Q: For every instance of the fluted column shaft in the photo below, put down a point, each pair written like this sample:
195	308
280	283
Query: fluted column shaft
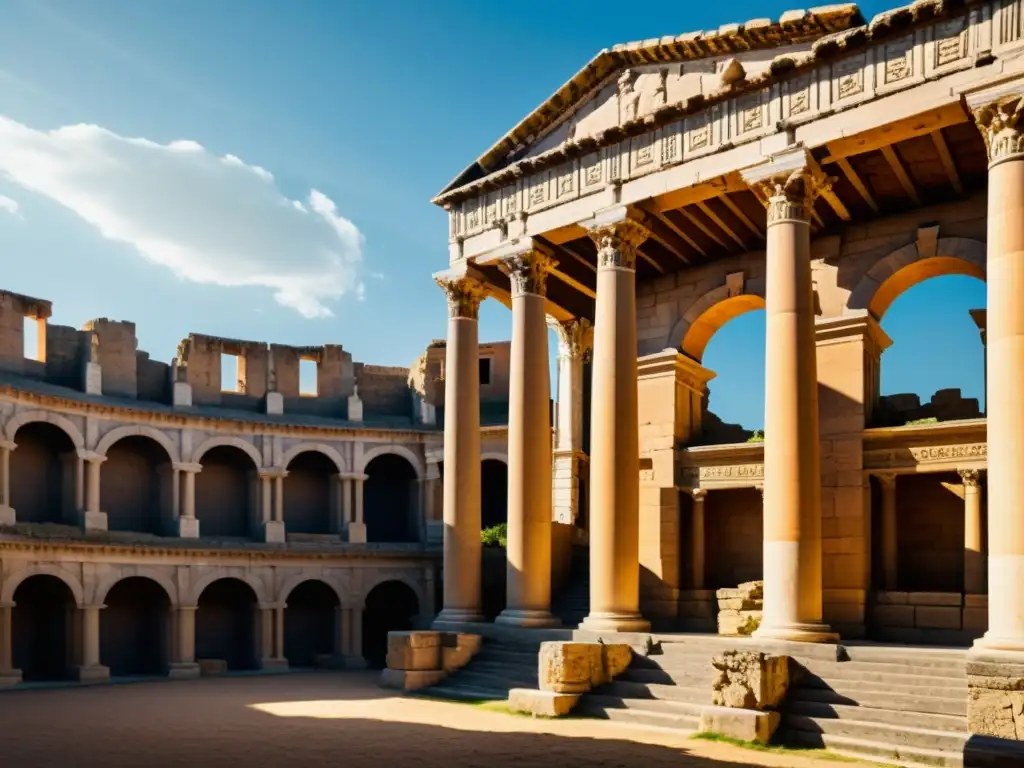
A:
614	432
462	547
528	579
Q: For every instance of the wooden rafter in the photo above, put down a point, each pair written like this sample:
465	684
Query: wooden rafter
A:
735	209
702	227
947	161
854	178
649	260
901	174
671	225
900	130
703	206
574	254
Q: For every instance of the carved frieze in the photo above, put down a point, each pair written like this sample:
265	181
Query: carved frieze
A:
950	41
913	456
848	78
722	476
899	60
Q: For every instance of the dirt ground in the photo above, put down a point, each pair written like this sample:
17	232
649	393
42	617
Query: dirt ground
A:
340	719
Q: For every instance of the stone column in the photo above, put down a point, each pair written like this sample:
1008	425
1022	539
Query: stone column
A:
792	463
8	675
462	547
890	538
697	545
92	518
997	114
614	432
272	503
279	633
279	496
188	525
183	663
6	508
271	618
974	555
528	575
357	527
90	669
575	338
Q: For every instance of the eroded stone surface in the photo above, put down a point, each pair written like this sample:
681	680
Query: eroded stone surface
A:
414	650
750	680
576	667
739	609
542	703
995	706
747	725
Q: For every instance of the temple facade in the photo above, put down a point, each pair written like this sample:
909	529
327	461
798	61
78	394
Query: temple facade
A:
816	167
158	520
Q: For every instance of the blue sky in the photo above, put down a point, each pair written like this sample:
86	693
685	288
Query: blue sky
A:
356	112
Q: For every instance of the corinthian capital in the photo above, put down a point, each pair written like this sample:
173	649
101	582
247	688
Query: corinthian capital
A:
575	337
970	477
464	292
617	235
1001	127
791	182
528	271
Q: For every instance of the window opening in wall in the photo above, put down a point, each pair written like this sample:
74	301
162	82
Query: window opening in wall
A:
229	373
307	378
33	329
485	371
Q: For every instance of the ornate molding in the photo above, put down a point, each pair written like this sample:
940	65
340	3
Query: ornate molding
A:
791	197
617	243
575	337
528	272
464	295
971	478
1001	128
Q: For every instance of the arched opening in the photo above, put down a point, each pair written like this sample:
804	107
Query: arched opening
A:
309	624
390	500
307	493
43	470
935	368
135	485
390	607
728	338
733	536
493	493
134	628
226	624
43	618
226	493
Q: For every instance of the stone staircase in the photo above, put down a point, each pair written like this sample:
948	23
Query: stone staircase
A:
499	666
573	604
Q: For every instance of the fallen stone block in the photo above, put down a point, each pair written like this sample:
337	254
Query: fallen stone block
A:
743	724
410	680
566	667
415	650
749	680
542	703
457	649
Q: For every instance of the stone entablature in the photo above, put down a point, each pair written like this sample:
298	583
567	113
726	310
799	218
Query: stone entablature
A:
942	447
837	73
717	467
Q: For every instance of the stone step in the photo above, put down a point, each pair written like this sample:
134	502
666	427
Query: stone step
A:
948	658
896	732
514	659
677	721
499	668
497	681
628	689
825	668
896	681
931	721
885	700
607	701
912	757
462	693
854	687
694	679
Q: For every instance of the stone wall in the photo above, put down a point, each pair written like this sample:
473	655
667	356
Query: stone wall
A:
930	532
733	535
384	389
14	310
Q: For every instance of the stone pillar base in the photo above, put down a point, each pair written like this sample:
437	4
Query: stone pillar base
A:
615	622
94	521
351	661
186	528
534	619
7	515
274	666
273	532
458	616
183	670
94	673
9	677
355	533
812	632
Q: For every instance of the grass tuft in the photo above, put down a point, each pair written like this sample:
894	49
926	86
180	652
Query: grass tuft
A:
821	754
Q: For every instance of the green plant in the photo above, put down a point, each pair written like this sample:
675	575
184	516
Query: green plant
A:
495	536
750	625
757	437
915	422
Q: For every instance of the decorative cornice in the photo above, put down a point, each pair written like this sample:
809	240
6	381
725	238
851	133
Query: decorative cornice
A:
464	295
528	272
1002	128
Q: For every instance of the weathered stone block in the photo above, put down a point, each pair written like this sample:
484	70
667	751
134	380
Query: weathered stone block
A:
997	713
414	651
212	667
457	649
935	598
894	615
565	667
976	619
542	703
937	617
740	724
410	679
738	623
750	680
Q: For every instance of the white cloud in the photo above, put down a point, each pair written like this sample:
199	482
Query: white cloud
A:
209	219
10	206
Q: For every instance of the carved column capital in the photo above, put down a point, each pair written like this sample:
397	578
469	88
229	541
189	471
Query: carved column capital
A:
971	478
1001	127
528	272
617	242
791	197
575	337
886	479
464	295
698	494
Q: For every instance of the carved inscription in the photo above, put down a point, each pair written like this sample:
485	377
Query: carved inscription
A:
800	95
950	41
738	471
510	204
644	150
933	454
849	77
899	60
538	195
700	137
751	114
592	170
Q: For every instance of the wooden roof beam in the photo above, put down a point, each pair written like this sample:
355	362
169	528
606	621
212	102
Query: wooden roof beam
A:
758	232
703	206
655	215
947	161
901	173
854	178
702	227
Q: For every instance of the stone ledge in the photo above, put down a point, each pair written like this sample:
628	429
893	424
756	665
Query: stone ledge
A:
743	724
542	703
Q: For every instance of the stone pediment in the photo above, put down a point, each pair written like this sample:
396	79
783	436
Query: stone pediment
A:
631	80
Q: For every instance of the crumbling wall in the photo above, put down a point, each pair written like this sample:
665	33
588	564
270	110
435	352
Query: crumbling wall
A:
67	351
384	390
336	375
14	308
945	405
153	378
117	356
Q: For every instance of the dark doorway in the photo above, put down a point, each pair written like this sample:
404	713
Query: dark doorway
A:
134	628
389	502
43	482
226	624
43	617
493	493
307	493
390	607
131	489
309	622
224	492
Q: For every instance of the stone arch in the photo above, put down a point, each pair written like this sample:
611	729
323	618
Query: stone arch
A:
158	578
494	456
905	267
394	608
138	430
19	420
11	583
255	584
398	450
235	442
293	581
413	584
327	450
705	316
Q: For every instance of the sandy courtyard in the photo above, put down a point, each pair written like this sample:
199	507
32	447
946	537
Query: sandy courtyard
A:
318	720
